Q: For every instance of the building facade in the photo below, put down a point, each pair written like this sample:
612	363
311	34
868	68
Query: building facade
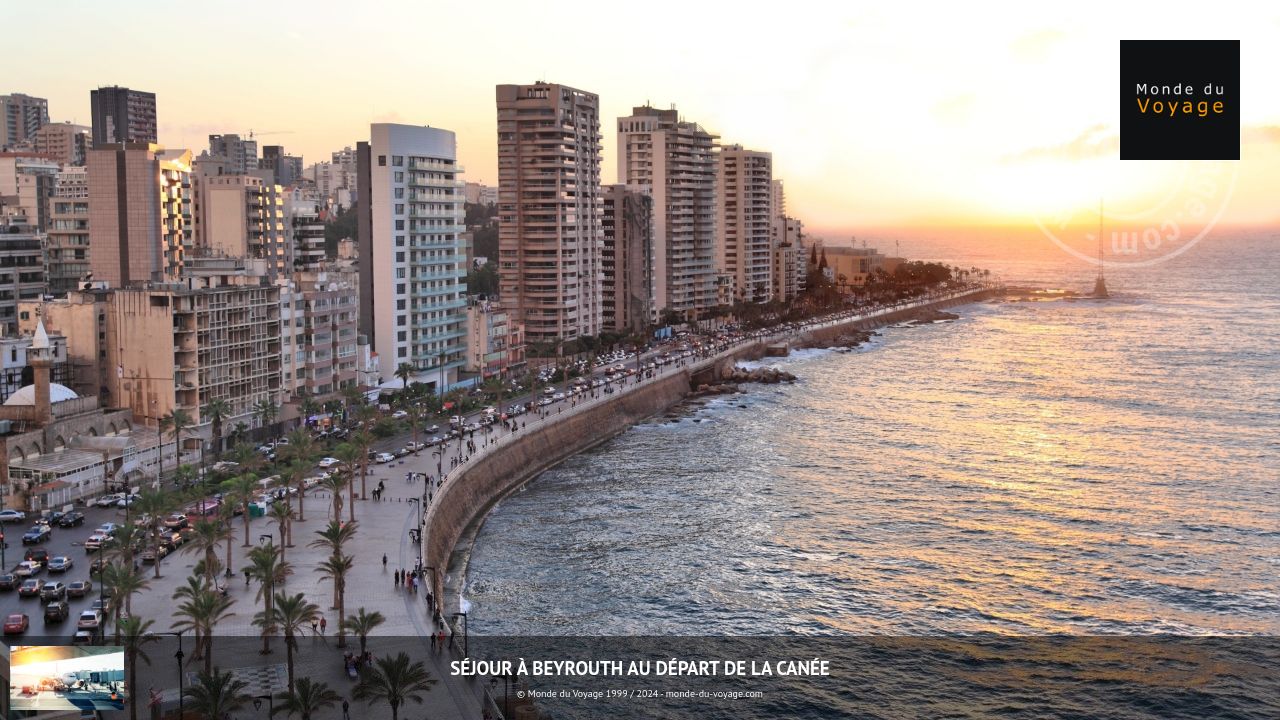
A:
20	117
319	309
21	271
745	226
788	258
242	216
27	182
412	263
139	213
240	154
675	160
495	340
121	115
550	212
627	263
64	143
66	241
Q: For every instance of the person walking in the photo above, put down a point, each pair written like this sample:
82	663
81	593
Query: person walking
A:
346	709
314	624
324	623
395	578
384	561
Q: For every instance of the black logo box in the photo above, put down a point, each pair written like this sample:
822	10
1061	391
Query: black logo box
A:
1182	136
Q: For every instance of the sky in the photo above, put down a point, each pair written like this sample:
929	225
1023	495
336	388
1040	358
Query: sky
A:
877	114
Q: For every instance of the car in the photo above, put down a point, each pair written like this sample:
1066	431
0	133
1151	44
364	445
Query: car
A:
60	563
36	535
30	587
89	620
399	414
108	500
82	637
402	452
176	521
95	567
558	397
149	555
264	449
328	462
108	528
126	501
71	519
79	588
415	446
53	591
39	555
16	624
26	569
8	516
433	429
57	611
95	542
8	581
100	604
384	457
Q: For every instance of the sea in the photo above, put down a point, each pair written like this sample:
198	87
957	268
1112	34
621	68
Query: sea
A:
1099	474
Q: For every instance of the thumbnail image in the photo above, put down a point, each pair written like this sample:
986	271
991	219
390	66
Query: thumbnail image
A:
66	677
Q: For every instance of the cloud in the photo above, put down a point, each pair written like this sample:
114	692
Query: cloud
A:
1035	47
1093	142
1261	134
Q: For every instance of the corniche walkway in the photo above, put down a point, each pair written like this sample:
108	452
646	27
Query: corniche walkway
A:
384	528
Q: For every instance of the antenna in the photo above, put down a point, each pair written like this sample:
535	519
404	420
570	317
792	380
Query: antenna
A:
1100	284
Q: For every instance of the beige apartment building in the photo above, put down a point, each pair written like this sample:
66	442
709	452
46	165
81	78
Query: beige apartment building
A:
66	244
26	183
241	216
745	224
789	262
627	260
495	340
550	209
65	143
139	213
675	159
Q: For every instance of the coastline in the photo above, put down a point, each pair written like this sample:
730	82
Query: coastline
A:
505	464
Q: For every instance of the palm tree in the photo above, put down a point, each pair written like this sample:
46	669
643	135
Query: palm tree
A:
176	422
289	614
216	694
334	536
217	410
308	407
266	566
299	454
335	483
336	569
238	432
208	535
155	504
136	634
282	513
123	583
201	609
307	699
395	681
364	441
296	473
362	623
266	411
241	489
404	371
226	513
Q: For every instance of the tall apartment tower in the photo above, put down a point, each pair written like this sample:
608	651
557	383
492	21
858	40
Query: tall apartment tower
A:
413	292
627	261
241	216
676	161
66	255
139	213
550	211
241	155
745	223
121	115
20	117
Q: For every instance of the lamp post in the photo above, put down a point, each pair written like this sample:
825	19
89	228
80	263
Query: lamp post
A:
257	704
464	634
417	507
265	540
178	656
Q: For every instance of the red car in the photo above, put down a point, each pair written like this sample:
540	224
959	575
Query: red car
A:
16	624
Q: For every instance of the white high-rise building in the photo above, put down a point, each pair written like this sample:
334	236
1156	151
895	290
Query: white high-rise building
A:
745	223
413	292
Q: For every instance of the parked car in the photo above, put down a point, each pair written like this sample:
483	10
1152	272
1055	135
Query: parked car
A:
26	569
108	500
36	535
8	581
415	446
328	462
16	624
400	414
53	591
57	611
82	637
30	587
149	555
89	620
60	563
79	588
176	521
71	519
126	501
108	528
8	516
94	542
384	457
39	555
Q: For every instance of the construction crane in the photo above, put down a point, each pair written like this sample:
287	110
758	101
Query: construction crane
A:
270	132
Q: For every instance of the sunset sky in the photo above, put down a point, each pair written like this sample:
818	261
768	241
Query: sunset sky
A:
881	115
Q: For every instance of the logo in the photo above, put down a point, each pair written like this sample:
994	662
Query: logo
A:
1179	99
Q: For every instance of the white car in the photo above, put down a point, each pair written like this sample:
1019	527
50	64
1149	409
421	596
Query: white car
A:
109	500
399	414
412	446
558	397
383	457
328	462
7	516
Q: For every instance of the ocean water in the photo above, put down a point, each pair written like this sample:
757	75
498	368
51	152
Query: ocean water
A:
1034	468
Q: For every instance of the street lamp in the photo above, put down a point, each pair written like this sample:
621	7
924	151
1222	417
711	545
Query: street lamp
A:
178	656
464	634
434	590
257	703
417	506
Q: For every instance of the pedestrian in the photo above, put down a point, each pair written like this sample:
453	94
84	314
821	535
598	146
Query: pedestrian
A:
415	584
384	561
346	709
433	642
246	577
313	626
440	639
324	623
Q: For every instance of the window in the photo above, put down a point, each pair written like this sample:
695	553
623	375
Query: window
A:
402	352
399	176
399	192
399	208
400	304
400	225
400	320
402	336
399	241
397	160
400	273
400	288
400	256
382	161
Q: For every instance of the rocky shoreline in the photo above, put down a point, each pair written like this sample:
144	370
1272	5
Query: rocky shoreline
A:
732	383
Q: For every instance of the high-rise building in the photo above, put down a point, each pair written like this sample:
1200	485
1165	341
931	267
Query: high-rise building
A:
21	271
63	142
139	213
412	263
318	317
287	168
788	258
121	115
241	154
627	260
495	340
26	184
675	159
66	248
745	223
307	222
241	216
20	117
550	212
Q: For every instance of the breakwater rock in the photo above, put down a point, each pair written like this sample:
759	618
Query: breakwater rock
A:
765	375
849	339
929	315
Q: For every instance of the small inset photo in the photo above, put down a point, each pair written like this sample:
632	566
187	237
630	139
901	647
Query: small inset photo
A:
66	677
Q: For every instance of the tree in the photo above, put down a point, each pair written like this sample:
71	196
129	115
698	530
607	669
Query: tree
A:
269	570
217	410
334	484
216	695
299	455
336	569
136	634
226	512
200	609
123	583
395	681
334	536
289	615
307	699
207	536
240	490
404	371
176	422
282	513
155	504
265	411
362	623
